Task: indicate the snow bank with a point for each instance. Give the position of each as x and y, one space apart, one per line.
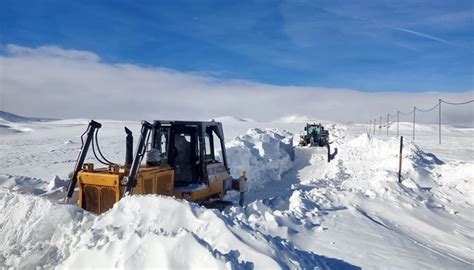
53 189
370 166
264 154
36 232
457 175
158 232
138 232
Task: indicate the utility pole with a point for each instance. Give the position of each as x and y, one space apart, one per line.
398 122
388 120
375 123
414 114
439 120
380 125
400 161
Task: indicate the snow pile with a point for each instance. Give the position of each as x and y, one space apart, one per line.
159 232
352 199
53 189
457 175
36 232
370 166
140 231
284 216
264 154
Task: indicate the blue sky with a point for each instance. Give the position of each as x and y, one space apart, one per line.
364 45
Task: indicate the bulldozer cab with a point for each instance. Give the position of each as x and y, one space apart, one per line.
189 147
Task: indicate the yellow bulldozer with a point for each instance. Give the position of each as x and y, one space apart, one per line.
181 161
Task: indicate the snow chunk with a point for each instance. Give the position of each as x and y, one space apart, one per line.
264 154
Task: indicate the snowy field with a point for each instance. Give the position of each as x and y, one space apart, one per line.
300 212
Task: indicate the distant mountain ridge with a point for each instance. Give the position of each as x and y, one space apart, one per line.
13 118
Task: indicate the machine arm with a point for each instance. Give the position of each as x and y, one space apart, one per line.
141 149
91 129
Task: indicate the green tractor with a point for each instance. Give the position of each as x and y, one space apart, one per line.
316 135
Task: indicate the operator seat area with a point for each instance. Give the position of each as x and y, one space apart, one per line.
189 147
183 160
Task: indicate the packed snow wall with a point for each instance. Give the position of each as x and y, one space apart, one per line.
263 154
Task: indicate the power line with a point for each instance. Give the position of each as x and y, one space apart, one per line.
429 110
456 103
408 113
438 105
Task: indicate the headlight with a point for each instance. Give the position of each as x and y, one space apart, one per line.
124 181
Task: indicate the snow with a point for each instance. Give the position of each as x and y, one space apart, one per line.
13 118
263 154
300 211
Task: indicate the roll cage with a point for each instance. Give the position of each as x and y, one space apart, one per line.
202 144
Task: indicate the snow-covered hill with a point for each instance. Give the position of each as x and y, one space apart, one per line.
301 212
10 117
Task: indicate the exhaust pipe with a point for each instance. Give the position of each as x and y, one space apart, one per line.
128 148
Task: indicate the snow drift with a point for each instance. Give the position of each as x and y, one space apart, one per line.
139 231
360 188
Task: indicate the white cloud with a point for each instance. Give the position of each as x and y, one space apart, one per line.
53 82
51 51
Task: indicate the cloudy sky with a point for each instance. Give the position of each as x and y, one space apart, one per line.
338 60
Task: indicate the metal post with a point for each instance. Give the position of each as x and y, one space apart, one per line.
388 120
414 114
400 161
131 180
91 129
380 125
439 120
398 122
